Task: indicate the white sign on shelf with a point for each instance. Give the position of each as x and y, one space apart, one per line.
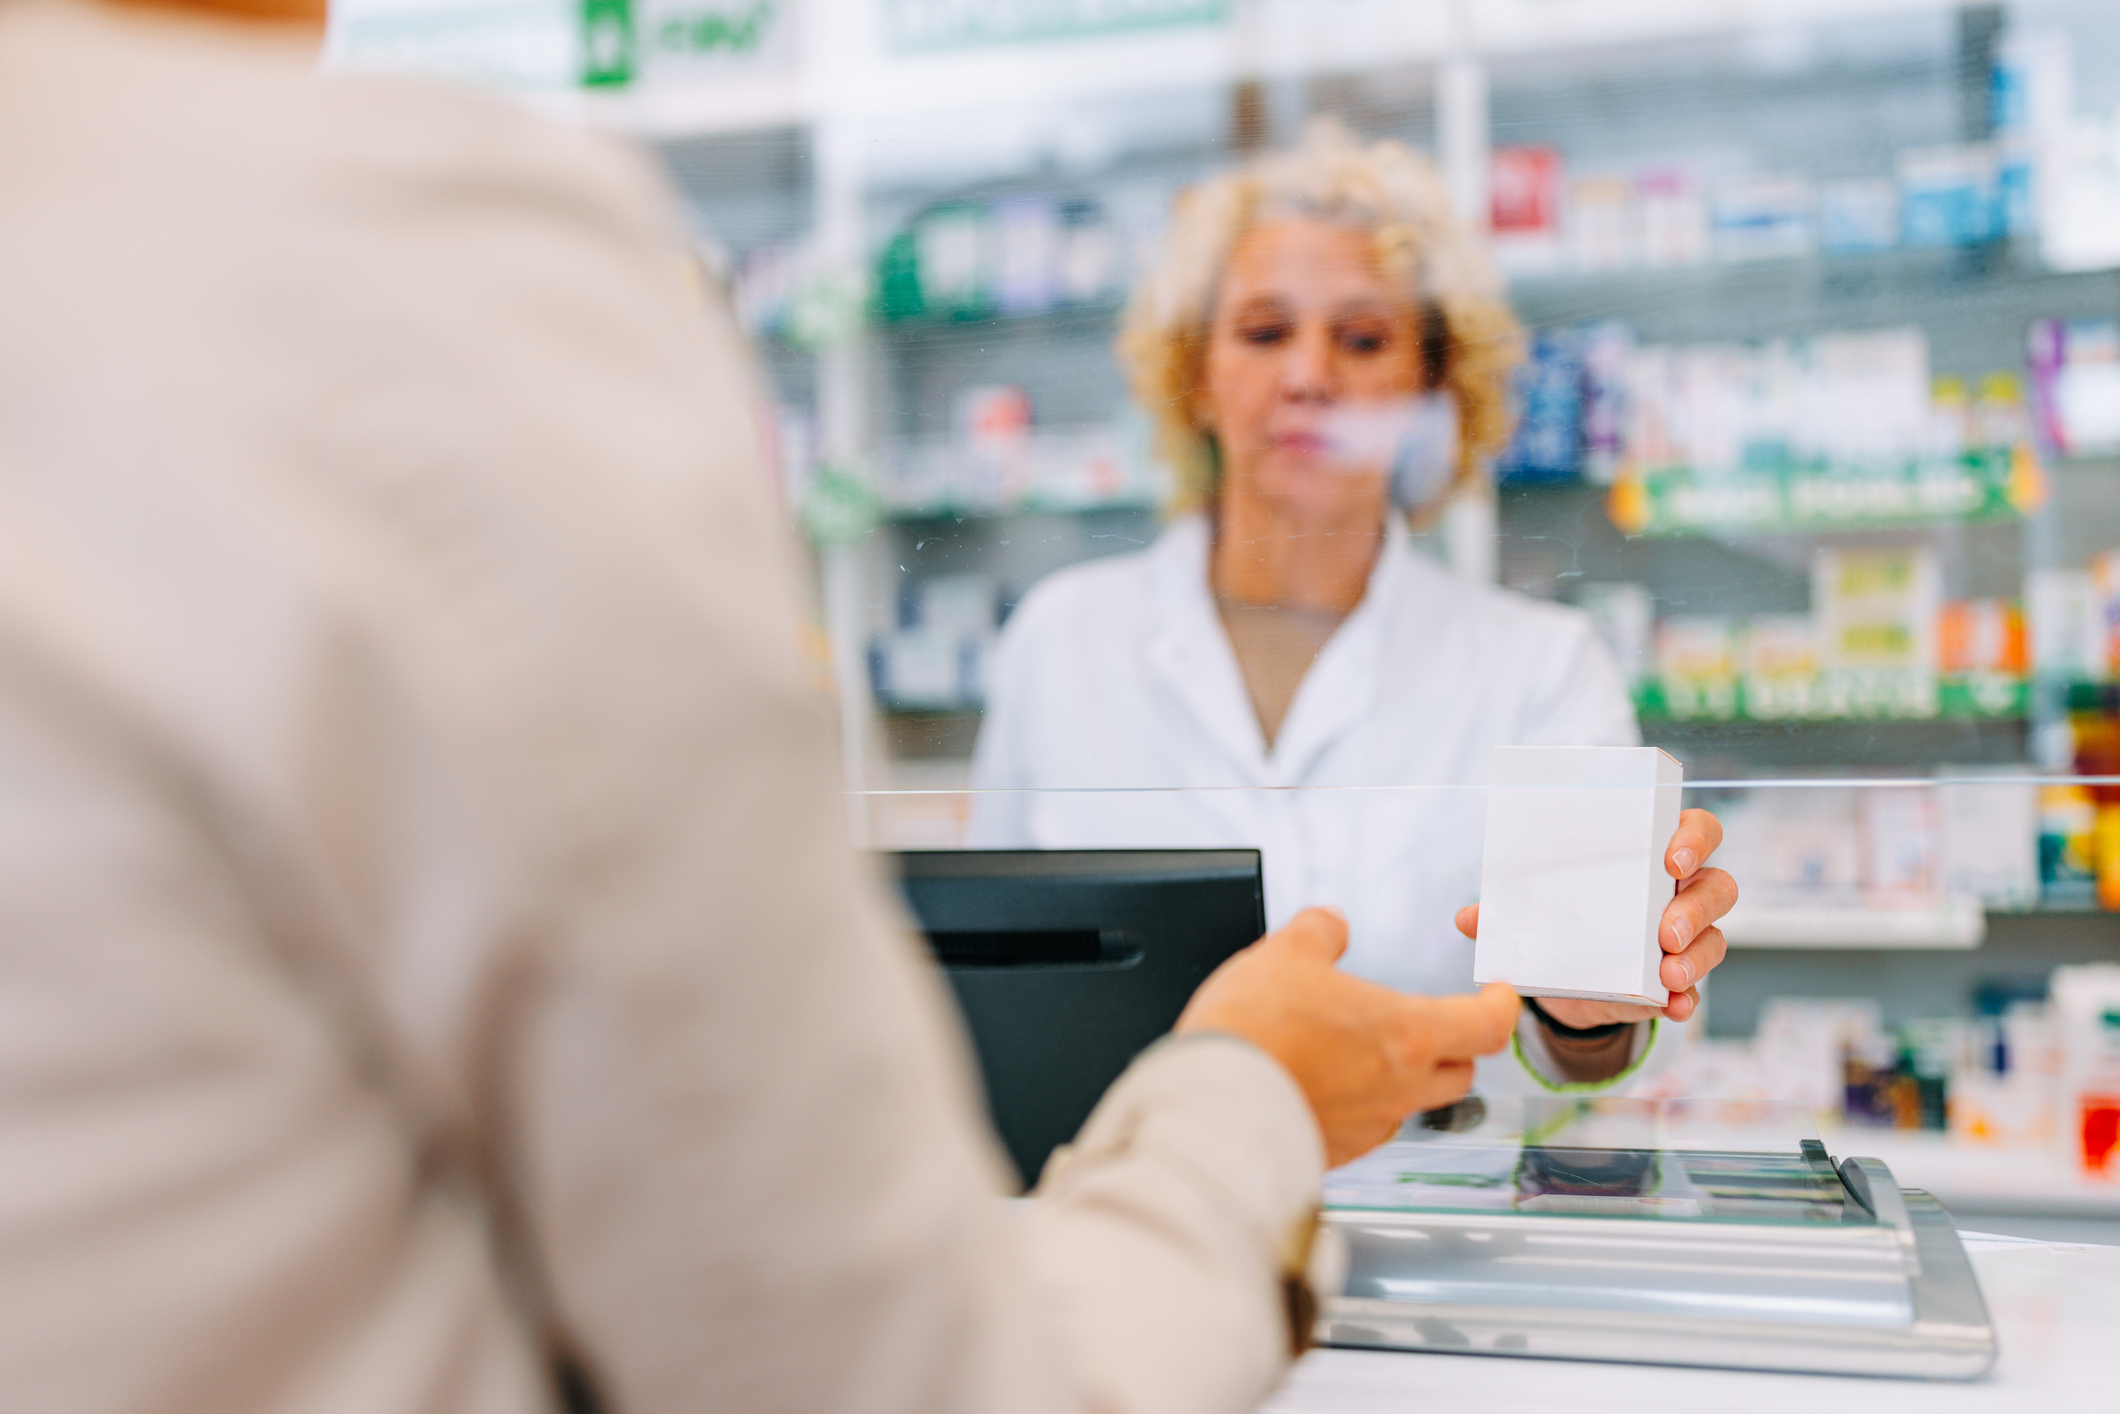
517 45
913 25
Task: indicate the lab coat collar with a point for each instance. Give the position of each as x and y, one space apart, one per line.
1190 651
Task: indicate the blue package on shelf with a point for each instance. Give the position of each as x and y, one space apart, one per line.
1548 393
1948 196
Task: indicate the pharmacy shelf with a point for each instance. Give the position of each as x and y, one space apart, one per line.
1900 272
1973 300
958 511
1953 923
1970 1179
1094 317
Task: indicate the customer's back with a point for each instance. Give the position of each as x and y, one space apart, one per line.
427 936
325 420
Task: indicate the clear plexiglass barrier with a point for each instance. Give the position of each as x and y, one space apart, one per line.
1231 428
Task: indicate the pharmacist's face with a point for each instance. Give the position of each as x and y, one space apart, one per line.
1308 344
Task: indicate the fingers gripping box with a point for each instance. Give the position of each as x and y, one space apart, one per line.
1572 887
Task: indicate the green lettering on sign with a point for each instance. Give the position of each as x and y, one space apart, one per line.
715 31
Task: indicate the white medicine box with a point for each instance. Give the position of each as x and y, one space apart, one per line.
1572 887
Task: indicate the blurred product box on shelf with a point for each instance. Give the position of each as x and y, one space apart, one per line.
1524 192
956 255
1573 888
1773 667
1948 196
1838 431
1606 349
1991 413
1901 839
2075 368
1012 257
1778 665
1028 240
2031 107
1982 636
2068 866
2096 733
1089 253
2007 1086
1625 616
936 657
2065 624
958 604
1876 613
2022 1073
1866 850
992 416
1764 217
1803 1044
1674 218
1043 470
1857 216
1794 846
1547 390
1570 400
1604 225
2105 602
1989 836
2078 195
924 669
1696 665
2086 1007
1849 399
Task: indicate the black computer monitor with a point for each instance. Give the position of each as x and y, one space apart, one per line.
1069 963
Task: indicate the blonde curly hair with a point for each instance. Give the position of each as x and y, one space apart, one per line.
1384 187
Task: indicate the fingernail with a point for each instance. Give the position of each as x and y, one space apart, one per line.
1682 929
1686 860
1685 974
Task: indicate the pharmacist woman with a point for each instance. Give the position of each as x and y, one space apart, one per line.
1326 352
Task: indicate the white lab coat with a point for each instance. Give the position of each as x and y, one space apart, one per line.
1117 717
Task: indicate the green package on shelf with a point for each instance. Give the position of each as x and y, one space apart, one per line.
1832 697
1997 483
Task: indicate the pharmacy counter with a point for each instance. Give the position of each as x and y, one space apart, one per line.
2056 1310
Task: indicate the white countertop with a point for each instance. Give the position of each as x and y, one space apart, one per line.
2056 1309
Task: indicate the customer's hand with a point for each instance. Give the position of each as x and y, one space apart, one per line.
1692 943
1365 1056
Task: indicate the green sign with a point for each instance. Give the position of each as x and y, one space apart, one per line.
1836 697
914 25
607 43
621 38
1999 483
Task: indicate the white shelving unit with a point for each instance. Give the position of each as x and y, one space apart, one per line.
1972 1180
1950 922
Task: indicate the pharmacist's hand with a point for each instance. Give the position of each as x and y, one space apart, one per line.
1365 1056
1692 943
